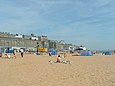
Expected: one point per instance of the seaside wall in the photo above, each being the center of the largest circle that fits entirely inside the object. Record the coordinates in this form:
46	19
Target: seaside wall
17	42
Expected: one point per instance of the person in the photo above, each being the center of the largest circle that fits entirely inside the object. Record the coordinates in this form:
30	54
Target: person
103	53
8	56
14	53
22	52
64	54
0	54
58	59
50	54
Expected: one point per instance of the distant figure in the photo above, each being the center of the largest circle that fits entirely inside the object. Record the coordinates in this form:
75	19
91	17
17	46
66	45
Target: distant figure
50	54
64	54
0	54
58	59
114	51
14	53
103	53
8	56
22	52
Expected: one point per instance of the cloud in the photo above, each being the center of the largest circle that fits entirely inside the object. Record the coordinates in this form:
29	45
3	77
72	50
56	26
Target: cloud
76	21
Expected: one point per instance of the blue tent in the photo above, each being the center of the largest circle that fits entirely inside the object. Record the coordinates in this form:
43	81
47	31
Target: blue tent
53	51
86	53
9	50
107	53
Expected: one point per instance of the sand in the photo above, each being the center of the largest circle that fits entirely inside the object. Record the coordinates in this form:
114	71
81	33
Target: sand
34	70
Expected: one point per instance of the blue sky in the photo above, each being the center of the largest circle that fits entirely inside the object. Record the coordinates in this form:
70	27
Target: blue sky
82	22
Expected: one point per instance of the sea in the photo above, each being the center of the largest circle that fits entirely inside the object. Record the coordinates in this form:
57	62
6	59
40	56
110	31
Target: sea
101	51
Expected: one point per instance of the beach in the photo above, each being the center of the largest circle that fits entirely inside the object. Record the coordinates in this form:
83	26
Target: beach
35	70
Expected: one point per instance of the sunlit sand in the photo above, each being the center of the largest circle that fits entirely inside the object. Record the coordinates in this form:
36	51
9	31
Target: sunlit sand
35	70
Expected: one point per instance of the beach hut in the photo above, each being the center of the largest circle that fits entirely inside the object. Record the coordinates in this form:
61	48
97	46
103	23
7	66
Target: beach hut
86	53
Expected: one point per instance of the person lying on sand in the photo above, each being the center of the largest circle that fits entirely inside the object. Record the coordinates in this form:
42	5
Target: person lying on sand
8	56
65	62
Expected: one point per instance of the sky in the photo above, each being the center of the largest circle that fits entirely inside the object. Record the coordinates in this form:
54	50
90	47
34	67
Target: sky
90	23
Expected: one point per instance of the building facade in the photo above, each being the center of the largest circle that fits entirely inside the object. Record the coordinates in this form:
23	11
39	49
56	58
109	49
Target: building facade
16	40
30	41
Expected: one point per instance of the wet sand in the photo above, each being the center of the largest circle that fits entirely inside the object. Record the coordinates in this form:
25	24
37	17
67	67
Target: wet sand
34	70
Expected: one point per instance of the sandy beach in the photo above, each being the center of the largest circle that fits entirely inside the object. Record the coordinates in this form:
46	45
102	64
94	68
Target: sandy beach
35	70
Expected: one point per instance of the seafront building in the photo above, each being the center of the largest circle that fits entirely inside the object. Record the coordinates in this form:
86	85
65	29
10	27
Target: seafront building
30	42
17	40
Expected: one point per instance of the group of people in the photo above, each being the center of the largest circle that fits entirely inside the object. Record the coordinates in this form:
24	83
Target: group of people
59	59
8	55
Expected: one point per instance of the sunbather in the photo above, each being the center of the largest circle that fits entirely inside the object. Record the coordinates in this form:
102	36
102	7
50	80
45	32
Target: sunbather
8	56
59	60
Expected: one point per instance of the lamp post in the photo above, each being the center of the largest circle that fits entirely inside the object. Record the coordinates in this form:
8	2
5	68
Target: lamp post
37	46
8	42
